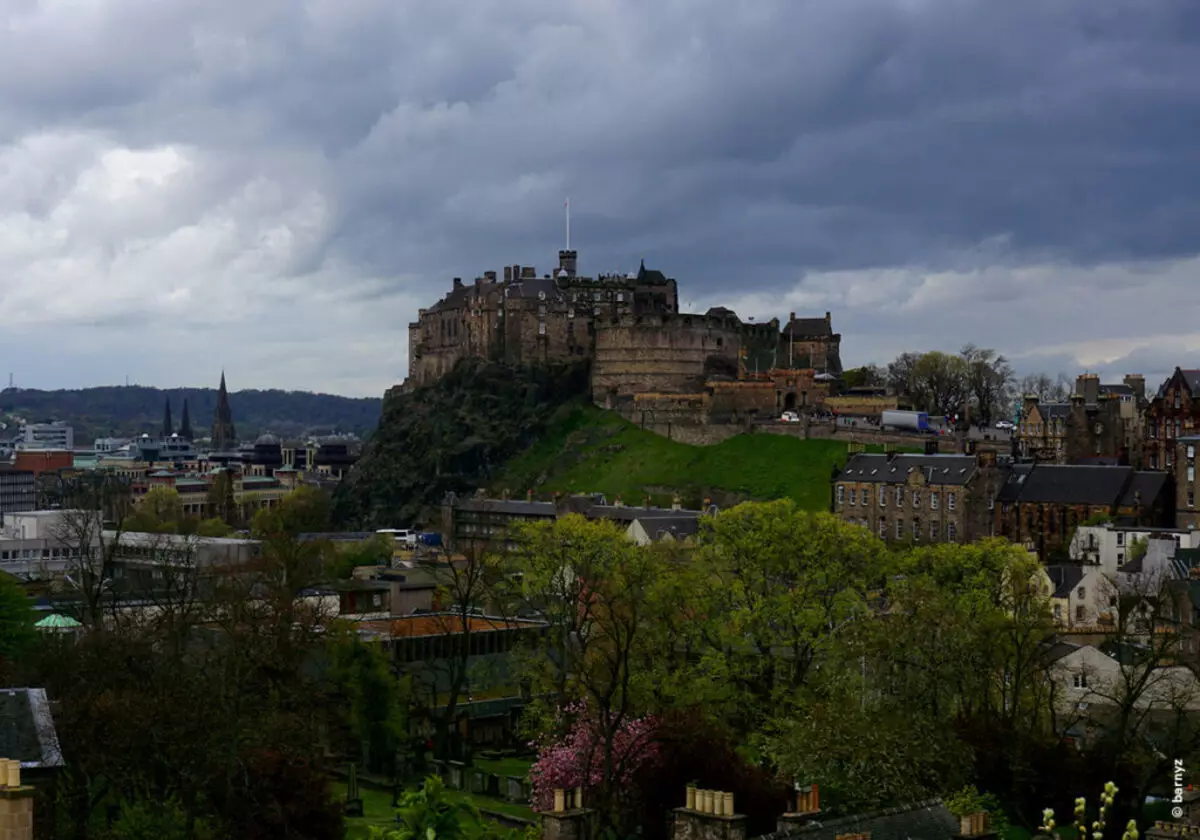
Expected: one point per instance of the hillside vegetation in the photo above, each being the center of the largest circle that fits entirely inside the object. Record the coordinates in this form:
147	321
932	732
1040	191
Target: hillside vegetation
454	435
586	449
126	411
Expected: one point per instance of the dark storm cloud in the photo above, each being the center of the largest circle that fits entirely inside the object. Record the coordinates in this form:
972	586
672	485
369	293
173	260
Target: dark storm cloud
902	161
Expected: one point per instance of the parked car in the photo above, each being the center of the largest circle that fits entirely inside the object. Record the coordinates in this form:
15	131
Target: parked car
1005	425
789	417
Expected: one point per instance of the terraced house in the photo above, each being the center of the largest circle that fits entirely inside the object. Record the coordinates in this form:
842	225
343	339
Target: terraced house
920	498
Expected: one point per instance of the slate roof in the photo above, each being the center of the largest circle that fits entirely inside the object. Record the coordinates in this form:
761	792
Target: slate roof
928	820
27	731
1148	484
808	328
651	277
938	469
679	527
1054	410
625	513
1184	561
1068	484
510	507
1065	578
1122	390
1190	377
1058	649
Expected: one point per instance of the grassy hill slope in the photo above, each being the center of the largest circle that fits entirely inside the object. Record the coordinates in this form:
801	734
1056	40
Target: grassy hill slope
585	449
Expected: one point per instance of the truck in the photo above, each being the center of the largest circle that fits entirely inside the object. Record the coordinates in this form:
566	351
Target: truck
909	421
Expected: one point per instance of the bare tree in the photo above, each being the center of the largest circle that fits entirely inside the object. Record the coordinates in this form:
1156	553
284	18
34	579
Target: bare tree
989	381
1047	389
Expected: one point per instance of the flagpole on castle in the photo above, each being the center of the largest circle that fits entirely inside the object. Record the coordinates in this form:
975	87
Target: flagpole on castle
567	208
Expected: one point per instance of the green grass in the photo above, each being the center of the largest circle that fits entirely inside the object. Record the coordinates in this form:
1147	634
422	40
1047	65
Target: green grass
378	810
589	450
504	766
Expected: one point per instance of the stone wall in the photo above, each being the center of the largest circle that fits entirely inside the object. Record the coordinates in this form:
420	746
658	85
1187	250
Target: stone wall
666	354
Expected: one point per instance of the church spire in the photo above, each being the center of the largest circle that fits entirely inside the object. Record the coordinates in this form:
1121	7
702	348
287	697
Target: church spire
168	426
223	435
185	422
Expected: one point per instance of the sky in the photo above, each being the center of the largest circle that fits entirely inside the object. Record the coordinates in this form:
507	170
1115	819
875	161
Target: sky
274	187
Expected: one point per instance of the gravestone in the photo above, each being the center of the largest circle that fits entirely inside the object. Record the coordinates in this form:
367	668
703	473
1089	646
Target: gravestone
515	789
456	780
478	782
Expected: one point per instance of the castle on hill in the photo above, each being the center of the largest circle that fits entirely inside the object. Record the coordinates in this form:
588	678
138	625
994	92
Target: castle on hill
641	347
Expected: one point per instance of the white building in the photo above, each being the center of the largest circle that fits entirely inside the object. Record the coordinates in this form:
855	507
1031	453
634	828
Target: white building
1088	681
47	436
109	444
1108	546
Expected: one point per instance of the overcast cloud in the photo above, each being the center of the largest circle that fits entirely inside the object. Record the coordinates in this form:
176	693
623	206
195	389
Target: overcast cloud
275	186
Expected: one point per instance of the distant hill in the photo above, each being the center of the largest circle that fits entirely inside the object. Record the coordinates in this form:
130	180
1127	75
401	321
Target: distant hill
129	410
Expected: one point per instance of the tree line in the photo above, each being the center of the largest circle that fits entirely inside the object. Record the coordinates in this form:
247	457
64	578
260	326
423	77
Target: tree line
977	380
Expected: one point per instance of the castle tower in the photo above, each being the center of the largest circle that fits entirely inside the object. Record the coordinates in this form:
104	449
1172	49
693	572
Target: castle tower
224	437
567	262
168	426
185	423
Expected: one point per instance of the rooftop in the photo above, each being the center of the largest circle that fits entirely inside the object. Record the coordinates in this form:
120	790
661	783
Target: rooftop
884	469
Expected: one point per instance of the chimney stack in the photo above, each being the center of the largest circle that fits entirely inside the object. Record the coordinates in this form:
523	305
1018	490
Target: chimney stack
708	815
975	827
16	803
806	806
568	819
1137	382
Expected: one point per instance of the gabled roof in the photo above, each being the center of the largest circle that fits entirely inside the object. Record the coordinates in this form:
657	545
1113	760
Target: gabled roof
511	507
27	731
928	820
1058	649
1146	487
1054	410
1070	484
651	277
1065	578
1191	378
679	527
938	469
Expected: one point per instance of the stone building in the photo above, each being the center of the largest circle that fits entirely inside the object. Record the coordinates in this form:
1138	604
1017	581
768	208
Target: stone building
811	343
1183	476
527	319
1042	431
920	498
1174	412
1041	505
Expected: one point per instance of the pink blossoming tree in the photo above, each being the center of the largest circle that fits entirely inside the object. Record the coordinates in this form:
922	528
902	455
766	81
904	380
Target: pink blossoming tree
579	757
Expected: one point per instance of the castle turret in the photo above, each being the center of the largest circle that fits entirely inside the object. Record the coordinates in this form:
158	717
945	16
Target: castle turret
567	260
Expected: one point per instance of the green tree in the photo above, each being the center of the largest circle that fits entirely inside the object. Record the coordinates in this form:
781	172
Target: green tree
781	589
221	499
16	619
303	511
373	700
376	550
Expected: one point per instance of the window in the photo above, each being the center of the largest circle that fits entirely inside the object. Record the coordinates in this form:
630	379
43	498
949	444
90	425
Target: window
882	529
1080	614
1191	473
933	501
1082	593
853	497
916	498
950	501
866	496
883	497
1058	612
1191	452
951	531
916	529
1191	498
899	497
991	503
933	531
1120	557
1120	538
841	493
899	528
1080	680
1177	399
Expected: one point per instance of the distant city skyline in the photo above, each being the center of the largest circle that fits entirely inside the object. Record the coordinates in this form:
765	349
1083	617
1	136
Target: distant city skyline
279	193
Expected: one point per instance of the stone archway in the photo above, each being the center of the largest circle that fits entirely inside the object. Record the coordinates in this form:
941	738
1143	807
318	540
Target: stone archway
789	401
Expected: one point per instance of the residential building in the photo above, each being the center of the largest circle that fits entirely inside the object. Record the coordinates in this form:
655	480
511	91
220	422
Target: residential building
1041	505
1110	546
1042	431
107	445
920	498
47	436
1182	468
645	530
479	524
1173	413
38	461
1083	598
